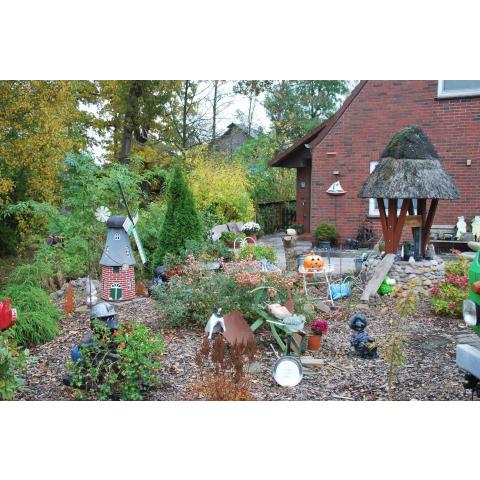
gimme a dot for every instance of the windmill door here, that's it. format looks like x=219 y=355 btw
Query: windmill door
x=116 y=291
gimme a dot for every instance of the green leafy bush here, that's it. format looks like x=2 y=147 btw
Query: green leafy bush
x=192 y=297
x=12 y=362
x=257 y=252
x=448 y=296
x=37 y=317
x=182 y=222
x=459 y=266
x=326 y=232
x=230 y=237
x=127 y=370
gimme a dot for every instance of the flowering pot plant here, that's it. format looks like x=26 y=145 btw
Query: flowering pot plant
x=317 y=328
x=251 y=228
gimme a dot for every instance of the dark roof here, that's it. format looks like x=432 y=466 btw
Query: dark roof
x=115 y=221
x=118 y=250
x=409 y=168
x=319 y=133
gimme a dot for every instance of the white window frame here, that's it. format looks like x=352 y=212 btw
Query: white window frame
x=127 y=252
x=441 y=93
x=373 y=205
x=116 y=236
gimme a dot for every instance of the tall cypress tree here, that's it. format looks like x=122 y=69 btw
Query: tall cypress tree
x=182 y=222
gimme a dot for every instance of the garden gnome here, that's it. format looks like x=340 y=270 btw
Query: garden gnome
x=215 y=323
x=461 y=227
x=476 y=228
x=364 y=346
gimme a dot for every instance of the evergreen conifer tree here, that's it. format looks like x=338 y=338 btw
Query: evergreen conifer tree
x=182 y=222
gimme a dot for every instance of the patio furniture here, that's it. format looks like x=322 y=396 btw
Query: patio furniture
x=315 y=277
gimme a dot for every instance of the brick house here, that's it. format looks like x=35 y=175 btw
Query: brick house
x=347 y=146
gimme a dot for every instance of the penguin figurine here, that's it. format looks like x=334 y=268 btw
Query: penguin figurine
x=215 y=323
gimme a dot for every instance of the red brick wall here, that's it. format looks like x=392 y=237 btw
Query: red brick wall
x=122 y=277
x=359 y=137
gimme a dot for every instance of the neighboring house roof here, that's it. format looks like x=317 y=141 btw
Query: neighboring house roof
x=118 y=250
x=316 y=135
x=409 y=168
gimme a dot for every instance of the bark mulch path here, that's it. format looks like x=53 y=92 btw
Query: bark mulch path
x=429 y=372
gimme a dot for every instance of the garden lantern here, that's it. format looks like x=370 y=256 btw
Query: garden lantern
x=408 y=174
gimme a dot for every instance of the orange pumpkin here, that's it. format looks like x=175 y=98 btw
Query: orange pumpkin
x=313 y=261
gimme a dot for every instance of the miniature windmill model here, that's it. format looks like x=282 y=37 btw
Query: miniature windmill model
x=118 y=274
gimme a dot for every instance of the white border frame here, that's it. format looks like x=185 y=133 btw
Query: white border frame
x=456 y=93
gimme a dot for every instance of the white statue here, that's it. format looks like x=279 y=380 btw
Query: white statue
x=476 y=228
x=91 y=292
x=461 y=227
x=215 y=323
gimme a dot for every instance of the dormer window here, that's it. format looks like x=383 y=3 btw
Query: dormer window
x=458 y=88
x=117 y=236
x=127 y=252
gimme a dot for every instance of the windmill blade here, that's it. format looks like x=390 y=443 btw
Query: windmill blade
x=141 y=251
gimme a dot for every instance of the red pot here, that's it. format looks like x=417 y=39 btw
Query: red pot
x=314 y=342
x=252 y=236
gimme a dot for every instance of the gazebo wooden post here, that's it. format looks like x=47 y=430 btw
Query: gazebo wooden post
x=428 y=224
x=400 y=223
x=383 y=220
x=391 y=224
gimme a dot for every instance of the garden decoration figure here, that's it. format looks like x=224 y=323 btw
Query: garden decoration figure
x=91 y=291
x=476 y=228
x=118 y=275
x=215 y=323
x=386 y=286
x=461 y=227
x=160 y=276
x=364 y=346
x=102 y=314
x=8 y=315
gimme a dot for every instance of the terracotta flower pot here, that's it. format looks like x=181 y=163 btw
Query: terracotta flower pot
x=314 y=342
x=252 y=236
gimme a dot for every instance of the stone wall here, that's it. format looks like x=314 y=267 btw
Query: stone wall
x=424 y=273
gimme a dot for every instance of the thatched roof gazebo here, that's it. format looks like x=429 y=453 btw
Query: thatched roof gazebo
x=409 y=169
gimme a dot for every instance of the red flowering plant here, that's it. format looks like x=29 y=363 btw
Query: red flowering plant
x=448 y=295
x=319 y=327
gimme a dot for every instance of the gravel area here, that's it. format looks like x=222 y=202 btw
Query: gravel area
x=429 y=372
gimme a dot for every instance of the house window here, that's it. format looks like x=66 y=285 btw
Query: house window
x=127 y=252
x=373 y=205
x=129 y=285
x=117 y=236
x=116 y=269
x=458 y=88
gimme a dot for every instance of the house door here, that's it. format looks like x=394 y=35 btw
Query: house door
x=303 y=196
x=116 y=291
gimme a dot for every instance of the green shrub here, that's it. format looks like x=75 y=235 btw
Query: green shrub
x=37 y=317
x=182 y=222
x=150 y=225
x=230 y=237
x=125 y=374
x=257 y=252
x=326 y=232
x=459 y=267
x=448 y=295
x=12 y=362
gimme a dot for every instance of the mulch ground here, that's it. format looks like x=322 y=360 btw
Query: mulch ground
x=429 y=372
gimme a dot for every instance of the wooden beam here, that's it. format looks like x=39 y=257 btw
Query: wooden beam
x=397 y=233
x=428 y=224
x=383 y=217
x=380 y=271
x=391 y=222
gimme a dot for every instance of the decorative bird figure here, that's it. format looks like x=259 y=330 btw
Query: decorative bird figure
x=215 y=323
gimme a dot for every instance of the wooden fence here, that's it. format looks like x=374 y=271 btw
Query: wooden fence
x=275 y=216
